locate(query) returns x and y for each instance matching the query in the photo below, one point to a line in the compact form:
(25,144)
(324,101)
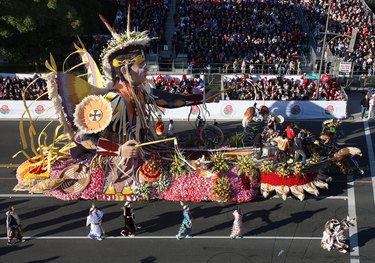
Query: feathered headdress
(118,43)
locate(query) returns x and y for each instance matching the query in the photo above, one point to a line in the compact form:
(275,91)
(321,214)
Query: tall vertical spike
(128,25)
(110,29)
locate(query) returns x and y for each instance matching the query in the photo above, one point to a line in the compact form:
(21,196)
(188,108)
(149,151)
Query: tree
(31,29)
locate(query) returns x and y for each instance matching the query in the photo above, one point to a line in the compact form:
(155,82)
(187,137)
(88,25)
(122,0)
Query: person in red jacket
(290,132)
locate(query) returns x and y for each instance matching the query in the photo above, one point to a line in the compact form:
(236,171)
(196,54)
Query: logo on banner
(228,110)
(4,109)
(39,109)
(194,110)
(329,109)
(295,109)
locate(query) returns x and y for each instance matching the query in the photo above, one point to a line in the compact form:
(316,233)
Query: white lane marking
(371,158)
(316,197)
(171,237)
(22,195)
(353,231)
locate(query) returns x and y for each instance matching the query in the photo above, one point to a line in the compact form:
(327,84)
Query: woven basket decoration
(76,179)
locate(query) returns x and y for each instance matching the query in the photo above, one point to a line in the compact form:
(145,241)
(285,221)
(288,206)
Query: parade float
(88,156)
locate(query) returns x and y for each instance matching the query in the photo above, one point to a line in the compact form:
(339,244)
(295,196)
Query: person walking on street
(13,225)
(237,224)
(371,107)
(94,220)
(129,226)
(365,103)
(186,225)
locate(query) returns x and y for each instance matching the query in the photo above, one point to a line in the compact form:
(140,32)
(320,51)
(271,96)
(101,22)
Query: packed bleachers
(184,85)
(258,32)
(11,88)
(245,88)
(146,15)
(345,16)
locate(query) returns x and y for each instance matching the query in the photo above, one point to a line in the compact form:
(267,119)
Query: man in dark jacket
(365,103)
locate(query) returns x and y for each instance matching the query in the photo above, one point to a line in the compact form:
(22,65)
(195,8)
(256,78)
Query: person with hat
(186,225)
(13,225)
(271,123)
(94,220)
(129,226)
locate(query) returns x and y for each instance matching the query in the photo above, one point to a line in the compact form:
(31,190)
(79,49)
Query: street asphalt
(274,230)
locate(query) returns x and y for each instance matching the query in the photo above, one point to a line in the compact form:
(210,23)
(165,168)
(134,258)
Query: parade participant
(271,123)
(328,133)
(371,107)
(257,116)
(186,225)
(331,237)
(170,132)
(94,220)
(237,224)
(298,147)
(159,127)
(258,143)
(13,225)
(290,131)
(199,124)
(129,226)
(283,147)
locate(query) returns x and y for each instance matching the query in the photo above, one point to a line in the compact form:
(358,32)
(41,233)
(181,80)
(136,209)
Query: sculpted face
(138,73)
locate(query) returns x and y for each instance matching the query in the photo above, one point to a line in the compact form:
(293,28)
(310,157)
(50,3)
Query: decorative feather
(310,188)
(266,189)
(282,191)
(297,191)
(320,184)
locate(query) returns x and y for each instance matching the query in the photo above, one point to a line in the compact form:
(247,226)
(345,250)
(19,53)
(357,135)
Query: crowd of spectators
(11,88)
(257,32)
(246,88)
(146,15)
(345,16)
(185,85)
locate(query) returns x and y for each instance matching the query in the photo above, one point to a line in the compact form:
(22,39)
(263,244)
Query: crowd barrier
(224,110)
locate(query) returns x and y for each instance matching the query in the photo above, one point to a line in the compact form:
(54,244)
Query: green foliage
(235,140)
(297,168)
(177,166)
(246,166)
(265,167)
(31,29)
(143,190)
(219,162)
(283,170)
(314,158)
(163,182)
(221,189)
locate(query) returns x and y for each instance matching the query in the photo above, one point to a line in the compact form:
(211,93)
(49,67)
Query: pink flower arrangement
(189,187)
(195,188)
(238,191)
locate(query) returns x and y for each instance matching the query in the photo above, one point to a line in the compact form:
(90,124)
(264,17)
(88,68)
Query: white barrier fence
(223,110)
